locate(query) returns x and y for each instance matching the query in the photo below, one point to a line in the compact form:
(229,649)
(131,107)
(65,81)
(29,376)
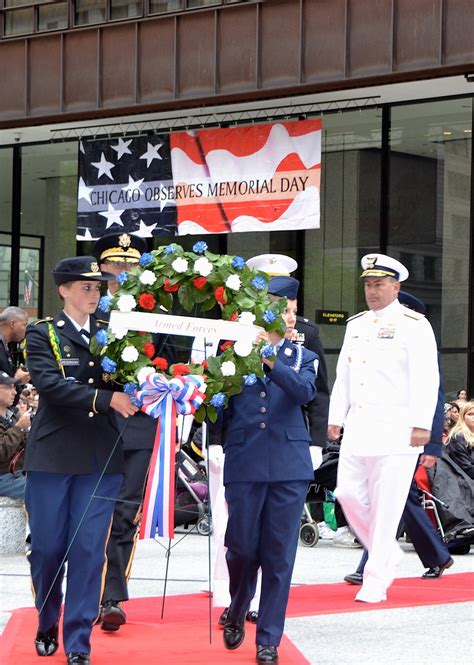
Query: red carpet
(183,635)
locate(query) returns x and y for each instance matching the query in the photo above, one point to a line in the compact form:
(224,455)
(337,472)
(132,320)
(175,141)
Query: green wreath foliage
(197,280)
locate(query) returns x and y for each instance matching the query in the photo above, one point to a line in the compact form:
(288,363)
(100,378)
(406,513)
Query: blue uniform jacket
(265,434)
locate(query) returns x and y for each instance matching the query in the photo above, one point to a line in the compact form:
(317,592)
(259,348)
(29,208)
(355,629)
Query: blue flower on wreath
(238,262)
(122,277)
(200,247)
(146,259)
(108,365)
(259,283)
(218,400)
(267,351)
(269,316)
(170,249)
(102,338)
(105,303)
(250,379)
(130,388)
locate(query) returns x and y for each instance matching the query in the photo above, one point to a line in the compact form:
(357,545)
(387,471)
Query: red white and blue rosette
(164,398)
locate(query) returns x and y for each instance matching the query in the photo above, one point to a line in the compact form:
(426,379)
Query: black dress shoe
(354,578)
(266,654)
(46,643)
(251,616)
(223,617)
(112,616)
(437,571)
(74,658)
(234,634)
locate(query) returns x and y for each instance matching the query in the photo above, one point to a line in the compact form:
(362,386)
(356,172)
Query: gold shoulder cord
(54,341)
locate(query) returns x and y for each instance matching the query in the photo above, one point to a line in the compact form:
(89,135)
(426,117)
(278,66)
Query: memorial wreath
(199,280)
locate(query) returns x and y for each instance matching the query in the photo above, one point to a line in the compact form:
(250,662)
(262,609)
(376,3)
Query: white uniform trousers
(219,570)
(373,492)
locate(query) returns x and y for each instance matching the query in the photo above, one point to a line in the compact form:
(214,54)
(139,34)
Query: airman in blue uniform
(266,473)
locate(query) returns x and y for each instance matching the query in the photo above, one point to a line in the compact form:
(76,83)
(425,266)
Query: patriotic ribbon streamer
(164,398)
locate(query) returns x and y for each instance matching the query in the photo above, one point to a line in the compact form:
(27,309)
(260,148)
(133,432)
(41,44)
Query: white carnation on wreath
(147,277)
(243,348)
(228,368)
(120,331)
(247,318)
(126,303)
(203,266)
(130,354)
(233,282)
(180,264)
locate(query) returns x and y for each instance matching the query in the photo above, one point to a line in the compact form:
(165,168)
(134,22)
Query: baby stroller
(191,498)
(319,492)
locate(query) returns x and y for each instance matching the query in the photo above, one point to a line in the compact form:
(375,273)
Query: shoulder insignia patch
(356,316)
(414,315)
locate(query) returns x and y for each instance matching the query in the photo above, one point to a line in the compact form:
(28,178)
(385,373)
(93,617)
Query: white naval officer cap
(381,265)
(273,264)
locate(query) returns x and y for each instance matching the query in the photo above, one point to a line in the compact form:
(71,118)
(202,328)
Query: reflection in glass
(89,11)
(163,6)
(18,22)
(125,9)
(53,17)
(429,226)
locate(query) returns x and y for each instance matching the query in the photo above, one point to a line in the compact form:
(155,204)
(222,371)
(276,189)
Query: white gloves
(216,458)
(316,456)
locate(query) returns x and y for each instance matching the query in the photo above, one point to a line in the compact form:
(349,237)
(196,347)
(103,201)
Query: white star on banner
(112,216)
(122,148)
(81,147)
(86,236)
(145,231)
(133,184)
(151,153)
(84,191)
(103,167)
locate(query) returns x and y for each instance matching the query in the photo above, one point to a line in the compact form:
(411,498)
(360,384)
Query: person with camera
(14,425)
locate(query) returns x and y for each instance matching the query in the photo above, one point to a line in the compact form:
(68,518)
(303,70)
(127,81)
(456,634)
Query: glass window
(120,9)
(350,214)
(191,4)
(19,21)
(53,17)
(429,224)
(48,214)
(162,6)
(6,158)
(90,11)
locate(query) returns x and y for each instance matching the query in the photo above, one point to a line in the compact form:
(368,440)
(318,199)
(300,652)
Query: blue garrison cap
(284,286)
(412,302)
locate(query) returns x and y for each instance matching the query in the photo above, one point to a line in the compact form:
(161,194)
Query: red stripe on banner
(172,470)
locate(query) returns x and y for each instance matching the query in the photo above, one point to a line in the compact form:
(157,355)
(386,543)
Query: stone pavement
(433,635)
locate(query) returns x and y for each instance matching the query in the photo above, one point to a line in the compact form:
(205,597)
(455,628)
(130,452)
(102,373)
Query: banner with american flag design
(250,178)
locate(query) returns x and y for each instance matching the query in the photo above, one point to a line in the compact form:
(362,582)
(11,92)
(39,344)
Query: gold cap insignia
(125,240)
(95,267)
(370,262)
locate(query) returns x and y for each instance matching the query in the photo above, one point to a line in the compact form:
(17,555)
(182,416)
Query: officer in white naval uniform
(385,397)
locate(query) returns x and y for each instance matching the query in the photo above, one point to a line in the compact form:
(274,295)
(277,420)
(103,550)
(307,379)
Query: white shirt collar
(390,310)
(86,326)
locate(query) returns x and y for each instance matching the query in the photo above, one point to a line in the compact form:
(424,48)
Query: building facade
(393,81)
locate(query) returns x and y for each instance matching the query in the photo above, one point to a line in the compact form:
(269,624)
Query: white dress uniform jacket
(387,381)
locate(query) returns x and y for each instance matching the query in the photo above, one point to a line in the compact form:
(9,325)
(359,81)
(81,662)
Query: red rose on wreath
(205,364)
(219,295)
(199,282)
(160,363)
(226,345)
(149,349)
(171,288)
(147,301)
(234,316)
(179,369)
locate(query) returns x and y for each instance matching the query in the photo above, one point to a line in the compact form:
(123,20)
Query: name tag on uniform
(386,333)
(70,362)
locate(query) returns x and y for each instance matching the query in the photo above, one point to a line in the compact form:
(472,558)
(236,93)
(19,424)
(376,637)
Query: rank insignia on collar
(125,240)
(94,267)
(61,323)
(67,349)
